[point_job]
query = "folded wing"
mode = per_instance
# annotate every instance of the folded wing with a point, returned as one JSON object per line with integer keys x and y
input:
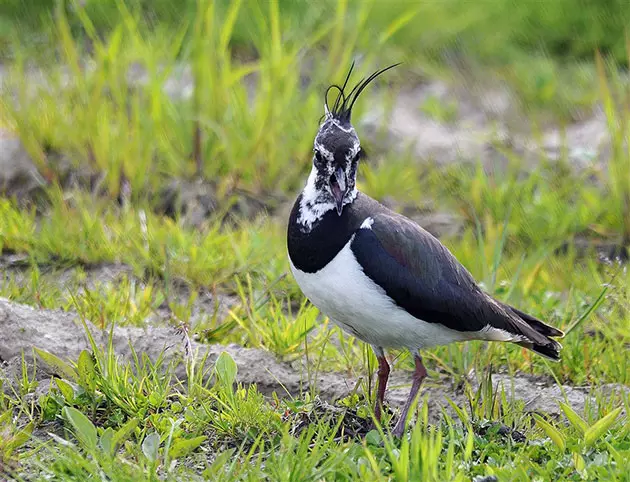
{"x": 422, "y": 276}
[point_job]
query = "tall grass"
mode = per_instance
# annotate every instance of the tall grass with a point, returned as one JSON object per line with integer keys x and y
{"x": 615, "y": 98}
{"x": 248, "y": 122}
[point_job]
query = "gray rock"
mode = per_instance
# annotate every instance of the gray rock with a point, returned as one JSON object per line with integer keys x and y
{"x": 18, "y": 174}
{"x": 15, "y": 268}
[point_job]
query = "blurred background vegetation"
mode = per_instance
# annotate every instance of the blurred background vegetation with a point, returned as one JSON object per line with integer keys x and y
{"x": 496, "y": 31}
{"x": 544, "y": 52}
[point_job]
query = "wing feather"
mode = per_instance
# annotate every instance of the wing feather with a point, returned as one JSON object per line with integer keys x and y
{"x": 422, "y": 276}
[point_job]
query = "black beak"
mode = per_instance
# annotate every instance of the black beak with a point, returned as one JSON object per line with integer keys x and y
{"x": 338, "y": 188}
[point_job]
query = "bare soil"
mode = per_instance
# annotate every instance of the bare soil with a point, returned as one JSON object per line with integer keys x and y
{"x": 22, "y": 328}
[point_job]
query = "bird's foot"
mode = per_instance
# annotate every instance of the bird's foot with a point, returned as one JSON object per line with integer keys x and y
{"x": 419, "y": 375}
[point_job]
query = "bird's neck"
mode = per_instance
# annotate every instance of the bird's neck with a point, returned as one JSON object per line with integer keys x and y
{"x": 316, "y": 201}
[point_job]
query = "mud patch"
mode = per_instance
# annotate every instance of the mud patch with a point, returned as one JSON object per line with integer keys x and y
{"x": 62, "y": 334}
{"x": 196, "y": 201}
{"x": 15, "y": 266}
{"x": 441, "y": 224}
{"x": 503, "y": 431}
{"x": 464, "y": 134}
{"x": 351, "y": 424}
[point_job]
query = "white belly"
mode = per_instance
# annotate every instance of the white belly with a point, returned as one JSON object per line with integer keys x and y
{"x": 343, "y": 292}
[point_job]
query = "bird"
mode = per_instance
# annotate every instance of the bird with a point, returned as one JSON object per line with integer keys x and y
{"x": 380, "y": 276}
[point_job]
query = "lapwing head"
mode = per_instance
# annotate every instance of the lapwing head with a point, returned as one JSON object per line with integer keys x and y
{"x": 337, "y": 148}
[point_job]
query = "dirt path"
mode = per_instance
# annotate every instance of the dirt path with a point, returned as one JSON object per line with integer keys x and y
{"x": 62, "y": 334}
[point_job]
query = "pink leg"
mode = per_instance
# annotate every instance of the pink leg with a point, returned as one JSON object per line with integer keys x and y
{"x": 383, "y": 375}
{"x": 419, "y": 374}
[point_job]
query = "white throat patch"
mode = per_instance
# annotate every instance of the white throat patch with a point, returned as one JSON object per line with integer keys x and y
{"x": 312, "y": 210}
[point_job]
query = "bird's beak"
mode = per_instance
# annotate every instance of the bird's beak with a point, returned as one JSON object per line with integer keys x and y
{"x": 338, "y": 188}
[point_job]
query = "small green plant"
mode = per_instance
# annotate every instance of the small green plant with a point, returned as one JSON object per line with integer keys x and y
{"x": 580, "y": 437}
{"x": 423, "y": 455}
{"x": 269, "y": 322}
{"x": 12, "y": 438}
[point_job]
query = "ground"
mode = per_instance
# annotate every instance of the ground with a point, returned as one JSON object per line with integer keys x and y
{"x": 150, "y": 327}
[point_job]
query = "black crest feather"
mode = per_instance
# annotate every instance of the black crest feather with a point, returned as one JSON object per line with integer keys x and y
{"x": 342, "y": 108}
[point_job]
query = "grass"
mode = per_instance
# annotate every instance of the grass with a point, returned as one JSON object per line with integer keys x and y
{"x": 244, "y": 130}
{"x": 134, "y": 422}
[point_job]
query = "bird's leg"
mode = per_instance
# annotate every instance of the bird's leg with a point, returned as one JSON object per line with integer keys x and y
{"x": 419, "y": 374}
{"x": 383, "y": 375}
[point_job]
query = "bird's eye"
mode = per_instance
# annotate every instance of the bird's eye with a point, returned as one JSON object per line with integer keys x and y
{"x": 318, "y": 157}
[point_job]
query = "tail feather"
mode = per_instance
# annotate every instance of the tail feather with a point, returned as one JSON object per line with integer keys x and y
{"x": 550, "y": 350}
{"x": 543, "y": 345}
{"x": 536, "y": 324}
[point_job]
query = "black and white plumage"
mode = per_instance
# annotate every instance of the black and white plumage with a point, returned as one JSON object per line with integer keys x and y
{"x": 380, "y": 276}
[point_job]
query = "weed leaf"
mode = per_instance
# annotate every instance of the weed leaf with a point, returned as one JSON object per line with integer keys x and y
{"x": 84, "y": 430}
{"x": 226, "y": 369}
{"x": 600, "y": 427}
{"x": 85, "y": 368}
{"x": 66, "y": 390}
{"x": 575, "y": 420}
{"x": 20, "y": 437}
{"x": 551, "y": 432}
{"x": 57, "y": 364}
{"x": 183, "y": 447}
{"x": 125, "y": 431}
{"x": 150, "y": 446}
{"x": 107, "y": 442}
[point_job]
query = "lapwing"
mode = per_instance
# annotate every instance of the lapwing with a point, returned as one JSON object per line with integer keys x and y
{"x": 380, "y": 276}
